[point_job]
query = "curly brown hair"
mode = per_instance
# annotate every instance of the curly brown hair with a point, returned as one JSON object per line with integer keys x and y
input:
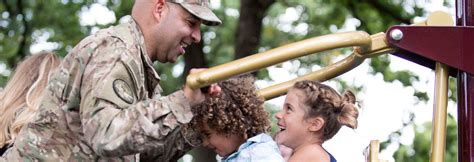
{"x": 236, "y": 110}
{"x": 325, "y": 102}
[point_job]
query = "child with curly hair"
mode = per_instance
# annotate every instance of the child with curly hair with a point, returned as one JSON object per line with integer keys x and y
{"x": 233, "y": 124}
{"x": 313, "y": 113}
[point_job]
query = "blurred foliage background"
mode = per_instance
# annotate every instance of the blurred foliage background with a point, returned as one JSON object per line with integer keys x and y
{"x": 249, "y": 27}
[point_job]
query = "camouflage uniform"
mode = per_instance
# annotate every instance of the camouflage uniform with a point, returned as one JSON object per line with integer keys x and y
{"x": 104, "y": 104}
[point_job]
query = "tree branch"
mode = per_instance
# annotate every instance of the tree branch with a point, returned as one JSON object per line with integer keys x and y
{"x": 24, "y": 36}
{"x": 386, "y": 10}
{"x": 8, "y": 8}
{"x": 249, "y": 28}
{"x": 352, "y": 9}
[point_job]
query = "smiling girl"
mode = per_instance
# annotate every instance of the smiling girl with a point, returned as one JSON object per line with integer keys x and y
{"x": 313, "y": 113}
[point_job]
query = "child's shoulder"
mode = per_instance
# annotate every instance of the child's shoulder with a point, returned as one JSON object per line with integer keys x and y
{"x": 260, "y": 144}
{"x": 260, "y": 147}
{"x": 262, "y": 137}
{"x": 260, "y": 141}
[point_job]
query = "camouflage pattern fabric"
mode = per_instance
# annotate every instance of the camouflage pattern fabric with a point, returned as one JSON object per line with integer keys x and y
{"x": 104, "y": 104}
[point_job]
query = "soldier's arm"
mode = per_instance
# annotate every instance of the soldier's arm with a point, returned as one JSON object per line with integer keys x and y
{"x": 116, "y": 123}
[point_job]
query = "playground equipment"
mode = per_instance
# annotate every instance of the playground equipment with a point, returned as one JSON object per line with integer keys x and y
{"x": 372, "y": 152}
{"x": 435, "y": 43}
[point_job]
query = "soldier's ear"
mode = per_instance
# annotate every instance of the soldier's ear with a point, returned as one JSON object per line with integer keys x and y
{"x": 158, "y": 9}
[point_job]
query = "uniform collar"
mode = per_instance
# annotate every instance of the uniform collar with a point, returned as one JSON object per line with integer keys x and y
{"x": 141, "y": 42}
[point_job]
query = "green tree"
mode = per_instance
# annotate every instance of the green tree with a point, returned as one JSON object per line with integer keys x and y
{"x": 419, "y": 150}
{"x": 24, "y": 22}
{"x": 260, "y": 27}
{"x": 249, "y": 26}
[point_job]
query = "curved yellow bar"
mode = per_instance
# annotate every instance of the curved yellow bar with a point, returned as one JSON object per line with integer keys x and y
{"x": 378, "y": 46}
{"x": 278, "y": 55}
{"x": 324, "y": 74}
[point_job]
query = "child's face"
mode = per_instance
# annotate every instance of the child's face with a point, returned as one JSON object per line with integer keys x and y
{"x": 222, "y": 144}
{"x": 293, "y": 127}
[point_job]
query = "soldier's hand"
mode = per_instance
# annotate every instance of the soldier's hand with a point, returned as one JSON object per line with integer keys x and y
{"x": 212, "y": 90}
{"x": 197, "y": 96}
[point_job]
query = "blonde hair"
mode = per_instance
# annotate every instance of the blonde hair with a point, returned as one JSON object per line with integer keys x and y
{"x": 21, "y": 97}
{"x": 323, "y": 101}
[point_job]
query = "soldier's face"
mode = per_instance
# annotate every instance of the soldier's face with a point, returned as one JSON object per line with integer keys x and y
{"x": 180, "y": 30}
{"x": 221, "y": 143}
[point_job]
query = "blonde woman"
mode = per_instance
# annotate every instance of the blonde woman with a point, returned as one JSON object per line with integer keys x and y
{"x": 21, "y": 96}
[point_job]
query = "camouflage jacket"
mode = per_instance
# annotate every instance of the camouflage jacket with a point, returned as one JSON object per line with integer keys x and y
{"x": 104, "y": 104}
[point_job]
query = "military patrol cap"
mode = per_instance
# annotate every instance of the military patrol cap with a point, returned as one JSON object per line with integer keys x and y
{"x": 200, "y": 9}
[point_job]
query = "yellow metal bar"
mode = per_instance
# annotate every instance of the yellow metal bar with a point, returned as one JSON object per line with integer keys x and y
{"x": 324, "y": 74}
{"x": 438, "y": 134}
{"x": 377, "y": 47}
{"x": 278, "y": 55}
{"x": 369, "y": 47}
{"x": 374, "y": 150}
{"x": 371, "y": 152}
{"x": 440, "y": 110}
{"x": 437, "y": 18}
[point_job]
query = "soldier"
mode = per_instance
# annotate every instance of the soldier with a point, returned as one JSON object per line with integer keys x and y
{"x": 104, "y": 103}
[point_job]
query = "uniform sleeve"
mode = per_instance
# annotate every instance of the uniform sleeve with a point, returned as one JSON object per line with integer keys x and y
{"x": 116, "y": 123}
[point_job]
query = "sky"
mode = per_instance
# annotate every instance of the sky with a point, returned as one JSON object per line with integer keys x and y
{"x": 383, "y": 105}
